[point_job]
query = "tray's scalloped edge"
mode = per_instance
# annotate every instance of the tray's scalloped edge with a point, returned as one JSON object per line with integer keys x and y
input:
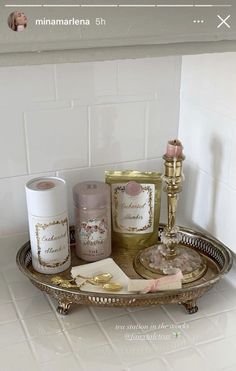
{"x": 183, "y": 295}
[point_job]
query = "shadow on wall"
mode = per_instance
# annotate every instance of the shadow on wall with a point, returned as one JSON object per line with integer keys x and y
{"x": 198, "y": 202}
{"x": 216, "y": 148}
{"x": 108, "y": 148}
{"x": 187, "y": 197}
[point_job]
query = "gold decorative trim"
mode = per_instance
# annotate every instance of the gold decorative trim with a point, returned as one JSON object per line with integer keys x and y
{"x": 44, "y": 226}
{"x": 218, "y": 257}
{"x": 150, "y": 209}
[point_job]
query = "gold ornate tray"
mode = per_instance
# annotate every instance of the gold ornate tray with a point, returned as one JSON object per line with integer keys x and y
{"x": 218, "y": 258}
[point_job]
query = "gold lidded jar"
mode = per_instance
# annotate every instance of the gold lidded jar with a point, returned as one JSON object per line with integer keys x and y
{"x": 92, "y": 220}
{"x": 48, "y": 224}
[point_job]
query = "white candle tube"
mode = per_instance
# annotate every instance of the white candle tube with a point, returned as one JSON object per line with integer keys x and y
{"x": 48, "y": 224}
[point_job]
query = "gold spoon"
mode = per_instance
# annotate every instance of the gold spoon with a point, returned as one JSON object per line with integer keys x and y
{"x": 65, "y": 283}
{"x": 98, "y": 279}
{"x": 95, "y": 280}
{"x": 111, "y": 286}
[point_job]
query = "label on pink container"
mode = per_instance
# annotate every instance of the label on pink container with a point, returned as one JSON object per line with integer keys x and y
{"x": 93, "y": 232}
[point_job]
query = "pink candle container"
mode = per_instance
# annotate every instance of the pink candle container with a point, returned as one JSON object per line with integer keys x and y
{"x": 174, "y": 148}
{"x": 92, "y": 220}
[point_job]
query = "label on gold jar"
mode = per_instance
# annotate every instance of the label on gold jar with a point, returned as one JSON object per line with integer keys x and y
{"x": 52, "y": 240}
{"x": 133, "y": 207}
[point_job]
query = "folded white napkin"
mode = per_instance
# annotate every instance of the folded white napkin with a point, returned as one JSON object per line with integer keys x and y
{"x": 169, "y": 282}
{"x": 102, "y": 266}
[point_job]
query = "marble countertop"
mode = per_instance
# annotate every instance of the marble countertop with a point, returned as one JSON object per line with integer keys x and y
{"x": 33, "y": 336}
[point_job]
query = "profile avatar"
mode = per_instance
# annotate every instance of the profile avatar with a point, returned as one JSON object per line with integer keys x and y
{"x": 17, "y": 21}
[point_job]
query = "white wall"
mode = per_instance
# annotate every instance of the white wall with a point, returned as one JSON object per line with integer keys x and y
{"x": 77, "y": 120}
{"x": 208, "y": 131}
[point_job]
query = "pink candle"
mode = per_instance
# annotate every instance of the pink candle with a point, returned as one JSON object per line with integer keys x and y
{"x": 174, "y": 148}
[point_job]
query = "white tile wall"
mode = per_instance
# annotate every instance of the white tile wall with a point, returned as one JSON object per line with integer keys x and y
{"x": 207, "y": 138}
{"x": 44, "y": 97}
{"x": 76, "y": 120}
{"x": 86, "y": 80}
{"x": 209, "y": 80}
{"x": 57, "y": 139}
{"x": 143, "y": 77}
{"x": 162, "y": 115}
{"x": 13, "y": 160}
{"x": 13, "y": 216}
{"x": 232, "y": 162}
{"x": 210, "y": 205}
{"x": 26, "y": 84}
{"x": 113, "y": 129}
{"x": 207, "y": 129}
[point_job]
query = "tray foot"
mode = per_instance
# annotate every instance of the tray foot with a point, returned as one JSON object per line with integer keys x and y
{"x": 191, "y": 306}
{"x": 63, "y": 307}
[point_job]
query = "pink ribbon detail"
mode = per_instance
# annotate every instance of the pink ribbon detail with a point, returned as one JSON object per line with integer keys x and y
{"x": 154, "y": 285}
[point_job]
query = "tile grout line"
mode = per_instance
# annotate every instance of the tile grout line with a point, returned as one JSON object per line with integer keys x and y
{"x": 189, "y": 338}
{"x": 212, "y": 177}
{"x": 91, "y": 308}
{"x": 6, "y": 285}
{"x": 148, "y": 341}
{"x": 139, "y": 161}
{"x": 106, "y": 335}
{"x": 40, "y": 105}
{"x": 117, "y": 80}
{"x": 37, "y": 173}
{"x": 197, "y": 318}
{"x": 200, "y": 353}
{"x": 64, "y": 331}
{"x": 162, "y": 356}
{"x": 89, "y": 135}
{"x": 27, "y": 340}
{"x": 55, "y": 81}
{"x": 169, "y": 352}
{"x": 26, "y": 140}
{"x": 146, "y": 129}
{"x": 113, "y": 99}
{"x": 199, "y": 104}
{"x": 171, "y": 317}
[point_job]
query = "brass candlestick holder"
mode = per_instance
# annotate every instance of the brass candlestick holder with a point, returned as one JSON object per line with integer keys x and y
{"x": 164, "y": 258}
